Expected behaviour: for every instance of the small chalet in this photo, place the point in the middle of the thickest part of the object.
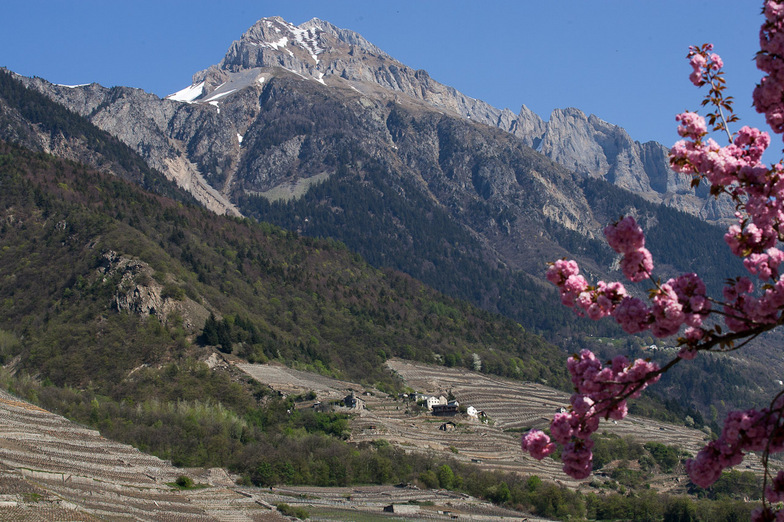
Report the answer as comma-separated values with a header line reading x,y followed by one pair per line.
x,y
432,402
449,408
448,426
354,402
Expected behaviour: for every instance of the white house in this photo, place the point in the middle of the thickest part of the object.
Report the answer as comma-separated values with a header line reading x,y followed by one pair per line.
x,y
472,412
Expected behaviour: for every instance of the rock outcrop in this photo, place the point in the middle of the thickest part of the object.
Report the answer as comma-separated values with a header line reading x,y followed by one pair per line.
x,y
138,292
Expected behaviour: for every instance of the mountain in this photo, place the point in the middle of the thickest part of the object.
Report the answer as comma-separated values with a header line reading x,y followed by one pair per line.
x,y
585,144
316,130
172,139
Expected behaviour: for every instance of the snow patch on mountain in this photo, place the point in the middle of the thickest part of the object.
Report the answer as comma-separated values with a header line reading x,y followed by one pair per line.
x,y
219,95
275,45
188,94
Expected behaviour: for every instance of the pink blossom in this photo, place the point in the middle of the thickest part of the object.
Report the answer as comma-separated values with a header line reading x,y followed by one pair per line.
x,y
697,62
774,11
716,61
743,431
602,300
538,444
637,265
766,265
633,315
583,369
754,141
692,125
582,405
775,492
691,294
704,469
577,459
561,427
750,239
735,170
598,390
561,270
572,288
625,236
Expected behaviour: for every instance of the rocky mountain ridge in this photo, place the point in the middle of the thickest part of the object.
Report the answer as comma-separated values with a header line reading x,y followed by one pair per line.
x,y
345,61
586,144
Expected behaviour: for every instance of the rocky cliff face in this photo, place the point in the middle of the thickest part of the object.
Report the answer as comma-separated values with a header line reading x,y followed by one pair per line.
x,y
592,147
138,292
153,128
585,144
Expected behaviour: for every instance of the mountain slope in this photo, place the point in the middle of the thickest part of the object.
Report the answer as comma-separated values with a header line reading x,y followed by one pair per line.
x,y
126,256
105,306
463,206
35,122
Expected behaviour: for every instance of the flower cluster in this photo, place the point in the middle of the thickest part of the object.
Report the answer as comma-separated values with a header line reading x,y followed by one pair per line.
x,y
626,238
743,431
737,171
679,301
601,391
767,95
701,61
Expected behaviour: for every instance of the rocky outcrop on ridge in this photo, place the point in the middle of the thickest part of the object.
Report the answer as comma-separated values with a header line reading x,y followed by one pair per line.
x,y
138,292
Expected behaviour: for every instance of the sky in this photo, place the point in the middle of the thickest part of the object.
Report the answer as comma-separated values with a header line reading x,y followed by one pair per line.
x,y
622,60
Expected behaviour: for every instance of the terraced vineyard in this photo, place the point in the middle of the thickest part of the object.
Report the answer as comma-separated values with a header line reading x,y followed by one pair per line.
x,y
358,503
511,407
522,405
52,469
288,381
517,406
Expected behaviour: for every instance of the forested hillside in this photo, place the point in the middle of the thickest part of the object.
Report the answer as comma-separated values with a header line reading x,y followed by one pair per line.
x,y
283,297
78,249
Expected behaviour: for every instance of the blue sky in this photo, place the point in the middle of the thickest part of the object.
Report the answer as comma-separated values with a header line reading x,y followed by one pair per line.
x,y
622,60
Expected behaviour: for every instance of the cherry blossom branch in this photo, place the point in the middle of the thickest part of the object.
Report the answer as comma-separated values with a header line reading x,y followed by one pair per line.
x,y
681,302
